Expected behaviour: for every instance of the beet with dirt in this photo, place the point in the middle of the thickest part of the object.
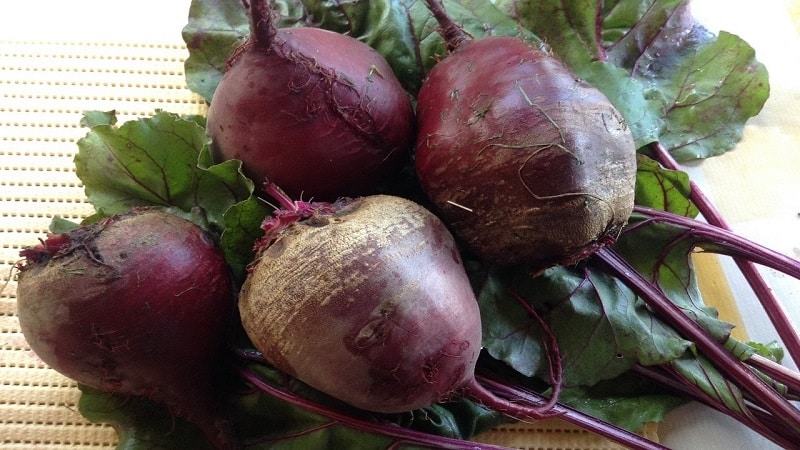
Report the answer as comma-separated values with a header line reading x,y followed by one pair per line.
x,y
526,162
319,113
136,304
368,301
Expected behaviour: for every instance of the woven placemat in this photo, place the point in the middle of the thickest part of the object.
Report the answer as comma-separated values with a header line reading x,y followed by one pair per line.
x,y
45,88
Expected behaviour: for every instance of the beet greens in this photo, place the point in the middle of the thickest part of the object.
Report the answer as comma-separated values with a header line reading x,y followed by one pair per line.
x,y
644,307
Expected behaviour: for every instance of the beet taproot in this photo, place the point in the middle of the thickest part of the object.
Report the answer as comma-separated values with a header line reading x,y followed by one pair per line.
x,y
136,304
526,162
319,113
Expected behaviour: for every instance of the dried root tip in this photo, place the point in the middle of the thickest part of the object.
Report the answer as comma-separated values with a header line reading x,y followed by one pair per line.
x,y
288,212
46,248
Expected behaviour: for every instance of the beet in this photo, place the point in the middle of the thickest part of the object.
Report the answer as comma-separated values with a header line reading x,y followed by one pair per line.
x,y
319,113
367,300
137,305
375,311
526,162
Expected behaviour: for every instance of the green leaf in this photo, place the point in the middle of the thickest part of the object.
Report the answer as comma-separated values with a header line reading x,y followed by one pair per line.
x,y
663,189
92,118
627,401
706,86
597,321
771,350
214,30
661,253
61,225
242,230
154,162
704,375
684,87
140,424
709,96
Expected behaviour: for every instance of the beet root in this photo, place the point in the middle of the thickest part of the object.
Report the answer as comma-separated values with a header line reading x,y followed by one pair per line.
x,y
136,305
366,300
318,113
525,161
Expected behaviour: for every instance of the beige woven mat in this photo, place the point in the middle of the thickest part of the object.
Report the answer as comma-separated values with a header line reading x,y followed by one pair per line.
x,y
45,88
50,73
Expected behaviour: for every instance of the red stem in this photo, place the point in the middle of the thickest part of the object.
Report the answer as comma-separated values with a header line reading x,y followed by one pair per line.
x,y
727,363
773,308
756,420
453,34
777,372
262,24
403,434
475,391
721,241
575,417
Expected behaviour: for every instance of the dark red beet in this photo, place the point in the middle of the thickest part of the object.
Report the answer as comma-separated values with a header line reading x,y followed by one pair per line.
x,y
136,304
318,113
525,161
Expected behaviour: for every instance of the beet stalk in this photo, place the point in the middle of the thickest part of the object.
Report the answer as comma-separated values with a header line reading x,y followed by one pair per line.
x,y
741,375
773,308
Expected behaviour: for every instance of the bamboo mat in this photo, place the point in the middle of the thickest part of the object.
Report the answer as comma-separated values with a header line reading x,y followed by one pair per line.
x,y
46,86
47,81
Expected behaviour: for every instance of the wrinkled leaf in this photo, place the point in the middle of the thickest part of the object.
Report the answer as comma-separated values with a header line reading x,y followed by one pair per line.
x,y
697,89
661,253
242,230
154,162
709,97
